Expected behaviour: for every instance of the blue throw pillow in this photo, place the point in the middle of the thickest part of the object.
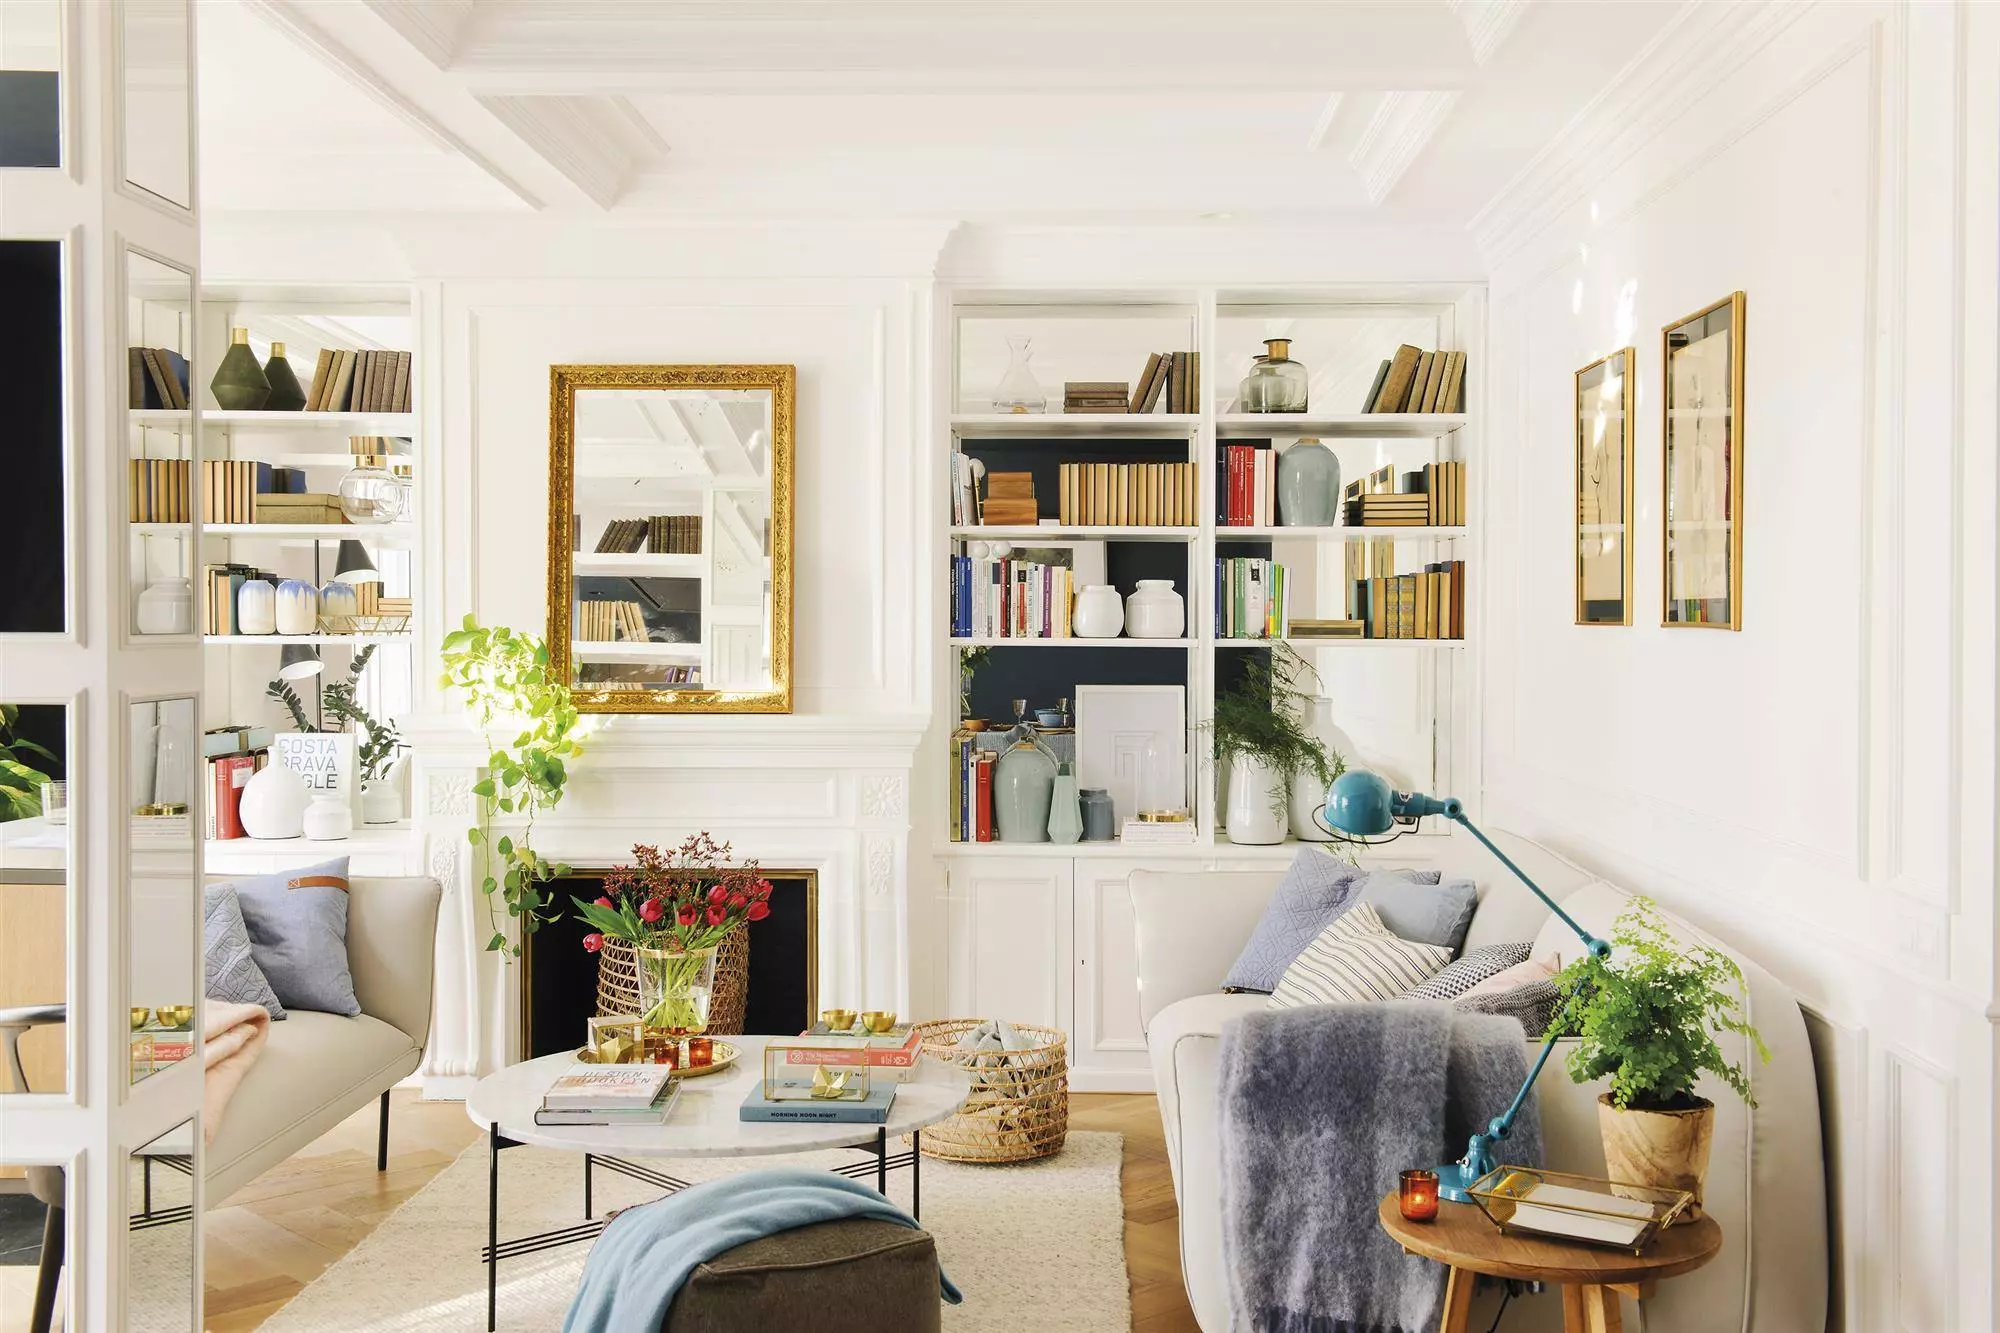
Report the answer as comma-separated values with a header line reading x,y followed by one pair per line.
x,y
298,935
229,968
1426,911
1317,888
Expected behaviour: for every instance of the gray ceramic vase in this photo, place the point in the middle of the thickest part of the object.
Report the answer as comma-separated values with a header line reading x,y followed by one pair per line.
x,y
287,395
1308,485
1065,809
240,384
1024,781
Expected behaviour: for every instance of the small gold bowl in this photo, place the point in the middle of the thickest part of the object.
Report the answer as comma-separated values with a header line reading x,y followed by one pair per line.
x,y
139,1017
837,1020
878,1021
175,1015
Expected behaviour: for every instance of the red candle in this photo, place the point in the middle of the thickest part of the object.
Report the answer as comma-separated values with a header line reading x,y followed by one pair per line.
x,y
701,1051
1419,1196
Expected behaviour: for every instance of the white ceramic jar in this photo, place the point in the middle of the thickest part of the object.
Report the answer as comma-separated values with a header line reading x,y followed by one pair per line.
x,y
1099,614
1155,611
1256,808
328,818
298,607
274,802
167,607
256,608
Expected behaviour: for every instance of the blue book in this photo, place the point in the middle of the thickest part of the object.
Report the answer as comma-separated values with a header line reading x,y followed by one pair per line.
x,y
873,1110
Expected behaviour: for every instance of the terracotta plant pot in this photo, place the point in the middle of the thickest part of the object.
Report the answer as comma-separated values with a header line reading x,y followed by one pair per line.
x,y
1668,1149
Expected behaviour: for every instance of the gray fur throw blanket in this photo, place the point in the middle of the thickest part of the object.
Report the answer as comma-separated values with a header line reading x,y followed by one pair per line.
x,y
1322,1107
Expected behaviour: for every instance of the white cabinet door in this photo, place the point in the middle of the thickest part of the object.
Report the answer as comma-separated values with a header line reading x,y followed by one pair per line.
x,y
1108,1044
1008,929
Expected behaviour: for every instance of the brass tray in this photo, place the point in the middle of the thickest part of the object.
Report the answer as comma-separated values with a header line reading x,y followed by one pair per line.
x,y
723,1054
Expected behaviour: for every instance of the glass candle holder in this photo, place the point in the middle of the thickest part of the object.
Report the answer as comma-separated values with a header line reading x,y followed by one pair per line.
x,y
1418,1196
701,1052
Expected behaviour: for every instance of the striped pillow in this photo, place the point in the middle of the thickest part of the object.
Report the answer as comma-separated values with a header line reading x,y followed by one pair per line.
x,y
1355,960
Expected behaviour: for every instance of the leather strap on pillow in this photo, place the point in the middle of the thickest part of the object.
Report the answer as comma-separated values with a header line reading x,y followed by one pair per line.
x,y
318,882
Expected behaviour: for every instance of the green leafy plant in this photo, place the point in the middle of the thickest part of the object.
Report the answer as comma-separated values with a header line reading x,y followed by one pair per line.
x,y
376,741
1646,1015
969,662
510,690
1263,716
20,781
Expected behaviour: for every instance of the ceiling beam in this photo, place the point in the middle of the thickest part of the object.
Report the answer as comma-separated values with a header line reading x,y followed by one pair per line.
x,y
1398,132
600,144
436,28
1488,24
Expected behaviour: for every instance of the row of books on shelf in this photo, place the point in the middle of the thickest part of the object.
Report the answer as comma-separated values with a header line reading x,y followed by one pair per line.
x,y
1141,495
610,622
1414,380
345,381
1171,381
1250,598
972,790
1432,497
659,534
1010,599
161,490
223,583
1427,604
1246,489
158,378
226,776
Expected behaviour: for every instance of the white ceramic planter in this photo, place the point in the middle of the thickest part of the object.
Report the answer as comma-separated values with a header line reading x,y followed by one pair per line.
x,y
1155,611
1255,814
327,819
166,607
381,801
1099,614
1307,797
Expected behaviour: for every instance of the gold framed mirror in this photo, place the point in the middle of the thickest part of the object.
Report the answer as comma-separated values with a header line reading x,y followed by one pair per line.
x,y
670,537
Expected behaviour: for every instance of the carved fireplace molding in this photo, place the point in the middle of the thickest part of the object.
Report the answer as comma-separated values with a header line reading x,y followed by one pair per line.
x,y
830,794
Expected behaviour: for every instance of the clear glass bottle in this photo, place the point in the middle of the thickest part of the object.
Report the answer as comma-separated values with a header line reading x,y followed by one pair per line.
x,y
370,493
1276,383
1019,391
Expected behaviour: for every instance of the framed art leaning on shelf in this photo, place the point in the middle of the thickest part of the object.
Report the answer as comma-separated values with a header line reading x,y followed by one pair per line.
x,y
1604,490
1702,431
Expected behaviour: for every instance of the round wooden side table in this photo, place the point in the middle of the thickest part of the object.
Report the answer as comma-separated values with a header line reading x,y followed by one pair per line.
x,y
1591,1278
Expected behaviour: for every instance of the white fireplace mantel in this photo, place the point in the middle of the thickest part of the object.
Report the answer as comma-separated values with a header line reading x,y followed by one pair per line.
x,y
824,793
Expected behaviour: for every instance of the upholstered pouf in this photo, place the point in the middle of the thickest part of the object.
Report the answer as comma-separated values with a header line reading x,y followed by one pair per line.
x,y
857,1275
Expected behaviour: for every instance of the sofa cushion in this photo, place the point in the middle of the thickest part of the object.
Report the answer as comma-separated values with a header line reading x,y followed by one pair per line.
x,y
1518,974
1462,974
1317,888
856,1275
1356,960
229,968
298,935
1534,1003
1423,910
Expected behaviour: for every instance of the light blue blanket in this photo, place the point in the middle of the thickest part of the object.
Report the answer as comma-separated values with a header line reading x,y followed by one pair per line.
x,y
638,1264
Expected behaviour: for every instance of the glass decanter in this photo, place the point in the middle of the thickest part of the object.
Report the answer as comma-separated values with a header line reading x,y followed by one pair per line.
x,y
370,493
1019,391
1275,382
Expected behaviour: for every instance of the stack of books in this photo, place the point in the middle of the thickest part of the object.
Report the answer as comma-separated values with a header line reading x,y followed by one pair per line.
x,y
1389,510
159,490
1140,495
230,487
297,507
610,1095
610,622
623,536
1429,604
1010,599
1010,500
1250,597
1245,484
1096,396
870,1110
1414,380
1170,381
892,1055
346,381
158,378
231,755
674,534
971,789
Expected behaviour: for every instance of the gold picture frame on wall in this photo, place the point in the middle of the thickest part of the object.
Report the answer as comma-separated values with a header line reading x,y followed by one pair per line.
x,y
1701,433
1604,436
671,515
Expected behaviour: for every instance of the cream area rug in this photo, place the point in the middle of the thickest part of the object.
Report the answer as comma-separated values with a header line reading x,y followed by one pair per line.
x,y
1036,1246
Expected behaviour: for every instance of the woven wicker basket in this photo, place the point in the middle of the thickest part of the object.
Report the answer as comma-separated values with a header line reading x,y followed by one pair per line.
x,y
618,981
1018,1108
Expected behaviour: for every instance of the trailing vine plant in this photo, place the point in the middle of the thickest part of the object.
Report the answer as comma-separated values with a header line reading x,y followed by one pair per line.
x,y
1263,716
376,742
508,686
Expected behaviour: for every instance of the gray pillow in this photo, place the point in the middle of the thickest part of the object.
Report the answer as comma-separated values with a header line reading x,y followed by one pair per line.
x,y
230,972
1425,911
1532,1002
1462,974
1317,888
298,935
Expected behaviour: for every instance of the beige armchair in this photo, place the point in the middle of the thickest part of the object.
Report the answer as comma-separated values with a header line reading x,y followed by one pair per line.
x,y
318,1069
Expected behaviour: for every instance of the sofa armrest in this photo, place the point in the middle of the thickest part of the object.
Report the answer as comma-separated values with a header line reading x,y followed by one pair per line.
x,y
1190,929
392,950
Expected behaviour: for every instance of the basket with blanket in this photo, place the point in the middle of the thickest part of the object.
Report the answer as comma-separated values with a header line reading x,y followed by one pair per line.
x,y
1018,1108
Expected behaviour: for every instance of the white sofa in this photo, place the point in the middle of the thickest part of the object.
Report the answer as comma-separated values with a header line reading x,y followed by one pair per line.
x,y
318,1069
1766,1182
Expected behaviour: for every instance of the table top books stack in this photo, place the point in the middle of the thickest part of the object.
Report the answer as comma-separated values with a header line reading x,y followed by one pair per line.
x,y
590,1094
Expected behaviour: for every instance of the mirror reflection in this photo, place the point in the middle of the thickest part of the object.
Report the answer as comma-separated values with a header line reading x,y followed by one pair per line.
x,y
155,47
159,302
679,548
34,896
161,748
159,1234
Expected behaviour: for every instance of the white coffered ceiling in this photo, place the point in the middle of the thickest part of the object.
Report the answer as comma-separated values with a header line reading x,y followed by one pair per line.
x,y
1039,110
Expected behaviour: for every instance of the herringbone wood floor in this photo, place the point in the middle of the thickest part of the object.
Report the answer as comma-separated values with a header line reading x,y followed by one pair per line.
x,y
284,1228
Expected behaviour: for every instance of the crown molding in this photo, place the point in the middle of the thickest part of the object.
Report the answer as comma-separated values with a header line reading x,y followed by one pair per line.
x,y
1402,125
599,144
285,16
1699,47
1488,24
1327,114
435,28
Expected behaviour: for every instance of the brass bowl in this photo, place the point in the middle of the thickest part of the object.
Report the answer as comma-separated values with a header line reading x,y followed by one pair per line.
x,y
837,1020
139,1017
175,1015
878,1021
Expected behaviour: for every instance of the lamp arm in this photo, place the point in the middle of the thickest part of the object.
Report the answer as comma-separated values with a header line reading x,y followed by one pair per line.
x,y
1596,946
1478,1159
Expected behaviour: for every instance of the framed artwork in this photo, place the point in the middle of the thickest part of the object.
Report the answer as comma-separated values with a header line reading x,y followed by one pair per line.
x,y
1702,431
1604,422
325,759
1114,725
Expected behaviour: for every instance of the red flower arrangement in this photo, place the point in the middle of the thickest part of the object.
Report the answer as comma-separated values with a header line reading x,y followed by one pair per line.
x,y
686,899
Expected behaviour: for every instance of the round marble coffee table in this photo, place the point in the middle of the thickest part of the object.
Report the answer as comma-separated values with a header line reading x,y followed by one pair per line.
x,y
704,1123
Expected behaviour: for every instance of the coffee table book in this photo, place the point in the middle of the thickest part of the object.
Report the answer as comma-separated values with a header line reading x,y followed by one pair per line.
x,y
585,1087
657,1112
871,1110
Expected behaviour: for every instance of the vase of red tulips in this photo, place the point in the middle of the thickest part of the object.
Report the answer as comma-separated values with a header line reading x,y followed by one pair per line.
x,y
675,908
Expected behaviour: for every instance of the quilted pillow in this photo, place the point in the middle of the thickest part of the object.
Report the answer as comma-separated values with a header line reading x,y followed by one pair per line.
x,y
1462,974
1355,960
1313,892
298,935
1532,1002
229,970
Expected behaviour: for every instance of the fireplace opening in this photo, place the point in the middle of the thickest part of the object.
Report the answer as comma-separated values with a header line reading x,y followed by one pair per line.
x,y
559,977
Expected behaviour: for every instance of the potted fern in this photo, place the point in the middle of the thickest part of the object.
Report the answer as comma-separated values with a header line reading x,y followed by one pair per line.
x,y
1645,1016
1259,736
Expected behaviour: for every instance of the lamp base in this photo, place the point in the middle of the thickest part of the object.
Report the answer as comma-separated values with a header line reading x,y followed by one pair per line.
x,y
1454,1179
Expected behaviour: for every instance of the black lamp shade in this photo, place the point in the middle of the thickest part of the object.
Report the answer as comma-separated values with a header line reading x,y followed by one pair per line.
x,y
354,566
299,661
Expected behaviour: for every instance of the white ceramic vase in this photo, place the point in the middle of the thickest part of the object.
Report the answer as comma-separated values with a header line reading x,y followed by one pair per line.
x,y
327,818
1308,797
1099,614
256,608
381,801
1155,611
166,607
298,607
274,802
339,603
1255,814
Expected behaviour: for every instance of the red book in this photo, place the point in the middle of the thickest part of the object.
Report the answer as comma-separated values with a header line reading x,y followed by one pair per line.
x,y
1239,476
982,797
226,799
241,768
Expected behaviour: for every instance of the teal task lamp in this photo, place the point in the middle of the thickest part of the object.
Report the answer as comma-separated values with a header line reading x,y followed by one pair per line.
x,y
1361,805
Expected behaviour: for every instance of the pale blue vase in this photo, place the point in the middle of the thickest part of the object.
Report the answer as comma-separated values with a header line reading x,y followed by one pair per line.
x,y
1308,485
1024,781
256,608
339,603
298,607
1065,809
